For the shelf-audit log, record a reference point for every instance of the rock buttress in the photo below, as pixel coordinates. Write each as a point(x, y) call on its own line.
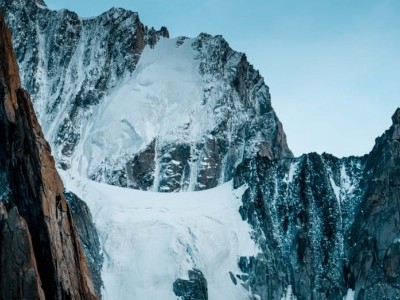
point(35, 217)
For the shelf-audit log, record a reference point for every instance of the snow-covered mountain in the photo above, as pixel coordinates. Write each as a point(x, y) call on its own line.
point(123, 104)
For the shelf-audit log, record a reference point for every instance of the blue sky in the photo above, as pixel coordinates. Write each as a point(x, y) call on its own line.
point(333, 67)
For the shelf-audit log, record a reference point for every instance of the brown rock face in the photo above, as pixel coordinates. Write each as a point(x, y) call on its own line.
point(41, 256)
point(17, 258)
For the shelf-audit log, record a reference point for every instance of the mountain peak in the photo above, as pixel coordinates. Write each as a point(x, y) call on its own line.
point(396, 116)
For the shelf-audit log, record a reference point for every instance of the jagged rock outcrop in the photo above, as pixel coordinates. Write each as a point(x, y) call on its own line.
point(41, 256)
point(193, 289)
point(89, 77)
point(68, 64)
point(301, 211)
point(325, 225)
point(122, 104)
point(374, 265)
point(19, 278)
point(88, 236)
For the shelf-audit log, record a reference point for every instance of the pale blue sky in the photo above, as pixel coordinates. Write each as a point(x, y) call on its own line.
point(333, 66)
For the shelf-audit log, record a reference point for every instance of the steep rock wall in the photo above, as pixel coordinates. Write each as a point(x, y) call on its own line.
point(41, 256)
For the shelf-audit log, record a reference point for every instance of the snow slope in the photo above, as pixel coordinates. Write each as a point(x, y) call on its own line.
point(151, 239)
point(164, 93)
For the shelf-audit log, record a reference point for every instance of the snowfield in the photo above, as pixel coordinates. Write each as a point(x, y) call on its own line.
point(163, 94)
point(151, 239)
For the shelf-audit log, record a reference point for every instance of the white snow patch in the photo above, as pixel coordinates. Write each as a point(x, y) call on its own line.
point(289, 294)
point(345, 180)
point(151, 239)
point(164, 93)
point(336, 189)
point(349, 295)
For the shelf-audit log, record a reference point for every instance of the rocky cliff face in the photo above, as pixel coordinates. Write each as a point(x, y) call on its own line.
point(374, 265)
point(41, 256)
point(89, 79)
point(325, 225)
point(126, 105)
point(68, 64)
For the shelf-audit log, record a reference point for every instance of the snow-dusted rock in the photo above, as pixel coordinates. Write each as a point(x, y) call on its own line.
point(108, 90)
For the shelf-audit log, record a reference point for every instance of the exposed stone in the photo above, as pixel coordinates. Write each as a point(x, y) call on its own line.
point(374, 256)
point(19, 278)
point(140, 170)
point(325, 225)
point(34, 189)
point(396, 116)
point(88, 236)
point(70, 65)
point(193, 289)
point(299, 223)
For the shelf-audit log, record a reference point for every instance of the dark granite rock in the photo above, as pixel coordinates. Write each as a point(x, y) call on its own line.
point(374, 255)
point(193, 289)
point(325, 225)
point(396, 117)
point(88, 236)
point(19, 278)
point(140, 170)
point(301, 211)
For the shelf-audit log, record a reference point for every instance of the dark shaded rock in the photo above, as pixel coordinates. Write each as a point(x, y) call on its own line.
point(193, 289)
point(396, 116)
point(233, 278)
point(88, 236)
point(19, 278)
point(301, 211)
point(374, 255)
point(174, 168)
point(33, 188)
point(140, 170)
point(325, 224)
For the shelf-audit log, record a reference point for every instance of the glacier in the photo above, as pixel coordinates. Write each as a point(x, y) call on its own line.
point(150, 239)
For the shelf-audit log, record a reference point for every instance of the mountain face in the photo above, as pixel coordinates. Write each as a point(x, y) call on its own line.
point(325, 225)
point(123, 104)
point(40, 253)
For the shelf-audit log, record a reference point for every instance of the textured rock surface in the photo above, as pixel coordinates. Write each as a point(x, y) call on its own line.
point(88, 235)
point(40, 252)
point(325, 225)
point(67, 63)
point(193, 289)
point(19, 278)
point(72, 65)
point(374, 266)
point(301, 211)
